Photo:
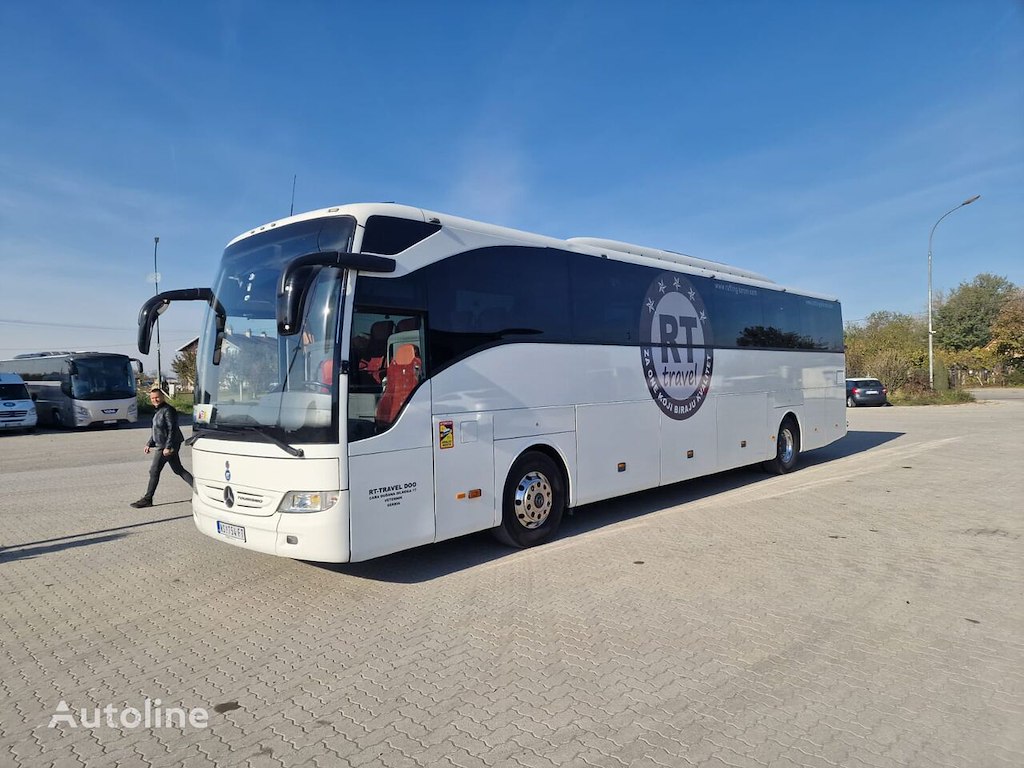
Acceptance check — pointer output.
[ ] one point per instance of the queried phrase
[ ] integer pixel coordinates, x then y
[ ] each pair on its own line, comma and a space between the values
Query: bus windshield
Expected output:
282, 386
102, 378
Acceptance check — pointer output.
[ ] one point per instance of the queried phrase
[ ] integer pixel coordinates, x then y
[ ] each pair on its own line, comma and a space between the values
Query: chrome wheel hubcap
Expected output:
533, 500
787, 446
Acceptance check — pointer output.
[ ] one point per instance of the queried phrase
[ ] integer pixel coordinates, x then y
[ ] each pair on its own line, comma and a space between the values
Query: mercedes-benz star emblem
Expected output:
229, 497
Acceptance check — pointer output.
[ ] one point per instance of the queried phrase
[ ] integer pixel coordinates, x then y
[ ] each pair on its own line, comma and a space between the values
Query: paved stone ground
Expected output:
864, 611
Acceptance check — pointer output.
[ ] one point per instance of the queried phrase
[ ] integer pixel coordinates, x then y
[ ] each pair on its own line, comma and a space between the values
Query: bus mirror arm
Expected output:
291, 289
157, 305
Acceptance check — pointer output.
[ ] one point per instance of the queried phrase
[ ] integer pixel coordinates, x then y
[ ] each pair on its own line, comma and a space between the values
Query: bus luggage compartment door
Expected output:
463, 474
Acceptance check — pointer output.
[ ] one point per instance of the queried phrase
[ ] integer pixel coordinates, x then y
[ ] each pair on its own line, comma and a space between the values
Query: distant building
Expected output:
185, 385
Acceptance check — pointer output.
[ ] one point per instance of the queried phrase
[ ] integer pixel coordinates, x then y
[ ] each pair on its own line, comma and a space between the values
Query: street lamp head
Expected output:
970, 200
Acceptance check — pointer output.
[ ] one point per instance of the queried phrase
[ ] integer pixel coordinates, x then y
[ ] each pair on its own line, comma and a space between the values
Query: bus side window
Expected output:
386, 364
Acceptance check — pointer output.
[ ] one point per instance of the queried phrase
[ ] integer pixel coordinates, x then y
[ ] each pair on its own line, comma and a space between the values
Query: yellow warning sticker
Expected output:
446, 434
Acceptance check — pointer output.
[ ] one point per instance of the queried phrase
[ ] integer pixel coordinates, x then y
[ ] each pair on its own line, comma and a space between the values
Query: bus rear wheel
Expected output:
787, 448
533, 501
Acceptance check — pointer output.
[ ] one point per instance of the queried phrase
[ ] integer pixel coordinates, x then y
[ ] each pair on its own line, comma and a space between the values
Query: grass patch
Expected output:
927, 397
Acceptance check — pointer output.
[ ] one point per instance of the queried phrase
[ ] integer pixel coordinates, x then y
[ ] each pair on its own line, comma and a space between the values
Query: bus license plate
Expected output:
231, 531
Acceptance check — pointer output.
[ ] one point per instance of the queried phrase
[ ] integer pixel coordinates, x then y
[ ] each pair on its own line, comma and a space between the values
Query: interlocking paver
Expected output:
855, 613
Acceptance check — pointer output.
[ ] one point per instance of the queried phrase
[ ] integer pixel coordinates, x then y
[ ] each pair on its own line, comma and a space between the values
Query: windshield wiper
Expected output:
289, 449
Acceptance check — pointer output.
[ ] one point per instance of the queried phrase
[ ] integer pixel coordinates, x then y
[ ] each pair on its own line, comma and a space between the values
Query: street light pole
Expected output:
156, 283
931, 331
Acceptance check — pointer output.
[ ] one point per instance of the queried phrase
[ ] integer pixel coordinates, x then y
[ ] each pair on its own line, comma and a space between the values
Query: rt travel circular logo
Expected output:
675, 345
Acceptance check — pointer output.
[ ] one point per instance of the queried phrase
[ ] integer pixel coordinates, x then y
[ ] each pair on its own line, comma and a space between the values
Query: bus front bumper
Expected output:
87, 413
317, 536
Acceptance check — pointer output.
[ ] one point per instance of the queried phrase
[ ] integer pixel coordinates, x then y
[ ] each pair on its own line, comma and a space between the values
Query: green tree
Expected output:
975, 367
1008, 331
889, 345
184, 366
964, 319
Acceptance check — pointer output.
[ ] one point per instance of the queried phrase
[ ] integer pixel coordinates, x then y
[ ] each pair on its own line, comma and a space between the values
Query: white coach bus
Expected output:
375, 377
79, 389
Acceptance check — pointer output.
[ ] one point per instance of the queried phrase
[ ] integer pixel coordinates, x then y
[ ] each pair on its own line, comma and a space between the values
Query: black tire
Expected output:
58, 420
533, 501
787, 448
851, 403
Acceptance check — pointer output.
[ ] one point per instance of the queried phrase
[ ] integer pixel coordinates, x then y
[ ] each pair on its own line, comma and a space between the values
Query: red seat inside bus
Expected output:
401, 378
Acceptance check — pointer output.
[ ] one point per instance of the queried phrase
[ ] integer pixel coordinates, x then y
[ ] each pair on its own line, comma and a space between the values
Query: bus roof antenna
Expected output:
291, 211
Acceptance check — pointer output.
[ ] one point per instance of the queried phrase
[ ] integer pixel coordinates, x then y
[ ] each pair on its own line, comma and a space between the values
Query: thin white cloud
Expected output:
490, 182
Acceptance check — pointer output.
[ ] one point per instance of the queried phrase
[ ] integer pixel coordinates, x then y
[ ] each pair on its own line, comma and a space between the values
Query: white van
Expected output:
17, 410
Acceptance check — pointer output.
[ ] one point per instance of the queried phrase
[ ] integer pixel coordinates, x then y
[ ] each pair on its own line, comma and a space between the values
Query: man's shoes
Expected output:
143, 502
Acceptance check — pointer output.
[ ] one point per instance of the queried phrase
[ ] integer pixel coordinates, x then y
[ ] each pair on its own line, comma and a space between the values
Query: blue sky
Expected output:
815, 142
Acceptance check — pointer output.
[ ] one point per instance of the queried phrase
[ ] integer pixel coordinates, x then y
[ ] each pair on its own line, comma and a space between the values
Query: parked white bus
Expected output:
78, 389
375, 377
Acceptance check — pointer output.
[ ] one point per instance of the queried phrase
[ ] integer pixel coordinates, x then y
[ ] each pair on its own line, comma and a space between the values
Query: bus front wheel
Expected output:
533, 501
787, 448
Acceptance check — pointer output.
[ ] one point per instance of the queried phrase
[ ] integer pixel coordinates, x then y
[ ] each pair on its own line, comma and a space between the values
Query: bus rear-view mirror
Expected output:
157, 305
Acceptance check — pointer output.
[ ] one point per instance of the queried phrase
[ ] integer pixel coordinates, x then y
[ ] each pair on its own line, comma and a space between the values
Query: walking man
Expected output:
167, 440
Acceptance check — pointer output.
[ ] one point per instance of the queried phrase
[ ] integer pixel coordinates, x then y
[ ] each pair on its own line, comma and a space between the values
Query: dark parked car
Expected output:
865, 392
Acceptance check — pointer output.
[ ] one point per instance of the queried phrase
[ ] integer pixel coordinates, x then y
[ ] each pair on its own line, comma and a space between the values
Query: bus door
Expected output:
391, 498
464, 494
391, 503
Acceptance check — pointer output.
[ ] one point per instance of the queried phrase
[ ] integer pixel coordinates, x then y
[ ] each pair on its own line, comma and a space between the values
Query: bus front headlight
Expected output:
308, 501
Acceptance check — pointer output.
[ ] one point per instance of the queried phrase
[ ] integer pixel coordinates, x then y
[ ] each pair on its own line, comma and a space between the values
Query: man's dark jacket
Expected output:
166, 433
